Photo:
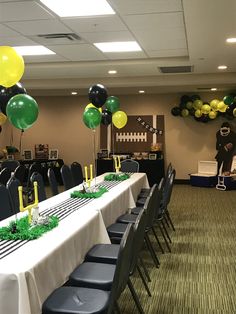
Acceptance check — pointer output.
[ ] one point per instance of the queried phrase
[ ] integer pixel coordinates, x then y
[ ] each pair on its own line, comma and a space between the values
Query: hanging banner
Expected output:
148, 127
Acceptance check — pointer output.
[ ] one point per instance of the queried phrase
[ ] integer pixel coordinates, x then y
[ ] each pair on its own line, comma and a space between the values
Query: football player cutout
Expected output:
225, 144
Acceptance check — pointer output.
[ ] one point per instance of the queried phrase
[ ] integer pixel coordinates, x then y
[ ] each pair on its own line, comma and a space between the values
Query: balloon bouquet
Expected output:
20, 108
94, 114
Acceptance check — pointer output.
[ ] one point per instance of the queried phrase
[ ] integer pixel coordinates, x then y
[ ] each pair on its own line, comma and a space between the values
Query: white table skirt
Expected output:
29, 274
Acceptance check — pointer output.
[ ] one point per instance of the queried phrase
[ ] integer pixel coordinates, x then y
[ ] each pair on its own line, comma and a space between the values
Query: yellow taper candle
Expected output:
86, 173
91, 172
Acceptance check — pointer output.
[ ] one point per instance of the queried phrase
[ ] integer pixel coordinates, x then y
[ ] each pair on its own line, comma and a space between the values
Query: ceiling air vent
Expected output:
69, 36
177, 69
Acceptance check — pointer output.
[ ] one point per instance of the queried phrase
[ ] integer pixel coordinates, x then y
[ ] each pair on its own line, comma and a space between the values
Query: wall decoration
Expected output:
138, 135
203, 111
27, 154
53, 154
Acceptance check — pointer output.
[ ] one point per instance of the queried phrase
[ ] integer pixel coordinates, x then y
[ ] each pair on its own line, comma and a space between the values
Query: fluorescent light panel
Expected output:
231, 40
213, 89
112, 72
222, 67
119, 46
68, 8
141, 91
33, 50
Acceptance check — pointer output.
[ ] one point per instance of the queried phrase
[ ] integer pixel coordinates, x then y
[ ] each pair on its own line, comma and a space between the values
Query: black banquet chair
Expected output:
41, 188
52, 181
12, 186
19, 173
81, 300
129, 165
5, 205
77, 173
67, 177
10, 164
5, 175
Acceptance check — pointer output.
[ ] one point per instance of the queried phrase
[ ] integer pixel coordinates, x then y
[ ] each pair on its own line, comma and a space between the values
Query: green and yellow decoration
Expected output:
203, 111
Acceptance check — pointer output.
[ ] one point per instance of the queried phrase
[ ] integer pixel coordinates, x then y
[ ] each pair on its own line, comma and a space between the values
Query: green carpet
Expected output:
199, 276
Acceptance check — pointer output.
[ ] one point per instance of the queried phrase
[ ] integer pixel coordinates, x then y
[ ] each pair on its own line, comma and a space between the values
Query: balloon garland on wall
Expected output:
203, 111
20, 108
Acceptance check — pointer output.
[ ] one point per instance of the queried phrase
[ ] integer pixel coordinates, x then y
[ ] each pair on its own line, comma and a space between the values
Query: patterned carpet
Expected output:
199, 276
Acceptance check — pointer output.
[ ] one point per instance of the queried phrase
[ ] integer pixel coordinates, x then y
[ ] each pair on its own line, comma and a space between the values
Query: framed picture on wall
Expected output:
27, 154
152, 156
53, 153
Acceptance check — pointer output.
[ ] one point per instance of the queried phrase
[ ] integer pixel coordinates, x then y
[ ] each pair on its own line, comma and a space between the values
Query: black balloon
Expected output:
184, 99
195, 97
204, 118
106, 117
7, 93
175, 111
0, 129
97, 95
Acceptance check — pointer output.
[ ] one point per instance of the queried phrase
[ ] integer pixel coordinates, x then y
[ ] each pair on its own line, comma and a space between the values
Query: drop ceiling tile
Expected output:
154, 21
125, 55
83, 52
7, 32
17, 41
167, 53
95, 24
39, 27
99, 37
161, 39
41, 59
18, 11
148, 6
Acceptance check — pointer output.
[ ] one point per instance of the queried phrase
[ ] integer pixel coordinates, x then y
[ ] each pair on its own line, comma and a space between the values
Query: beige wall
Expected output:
60, 125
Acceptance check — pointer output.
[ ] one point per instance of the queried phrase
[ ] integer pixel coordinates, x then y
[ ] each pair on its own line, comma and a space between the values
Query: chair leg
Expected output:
170, 220
144, 269
164, 237
135, 297
151, 250
158, 242
165, 230
166, 221
144, 281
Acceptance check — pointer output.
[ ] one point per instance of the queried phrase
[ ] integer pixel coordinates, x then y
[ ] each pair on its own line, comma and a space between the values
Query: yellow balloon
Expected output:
214, 104
3, 118
189, 105
184, 113
234, 112
222, 106
198, 113
212, 114
92, 106
197, 104
11, 66
119, 119
206, 109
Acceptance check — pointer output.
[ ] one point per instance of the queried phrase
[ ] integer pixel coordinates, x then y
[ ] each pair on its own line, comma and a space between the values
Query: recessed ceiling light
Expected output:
119, 46
33, 50
231, 40
213, 89
112, 72
141, 91
222, 67
67, 8
74, 93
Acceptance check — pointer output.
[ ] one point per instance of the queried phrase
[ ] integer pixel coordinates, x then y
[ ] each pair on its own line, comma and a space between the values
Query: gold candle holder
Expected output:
117, 163
89, 179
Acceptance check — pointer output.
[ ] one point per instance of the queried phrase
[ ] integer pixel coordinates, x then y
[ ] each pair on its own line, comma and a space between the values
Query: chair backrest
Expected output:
5, 206
77, 173
41, 188
12, 186
35, 167
129, 165
123, 265
139, 231
53, 181
167, 191
5, 175
67, 177
153, 205
19, 173
10, 164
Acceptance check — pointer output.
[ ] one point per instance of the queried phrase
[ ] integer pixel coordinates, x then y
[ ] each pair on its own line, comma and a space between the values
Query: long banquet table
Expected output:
31, 270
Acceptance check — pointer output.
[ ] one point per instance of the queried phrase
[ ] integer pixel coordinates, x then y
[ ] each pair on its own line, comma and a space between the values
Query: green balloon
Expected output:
112, 104
92, 118
22, 111
228, 100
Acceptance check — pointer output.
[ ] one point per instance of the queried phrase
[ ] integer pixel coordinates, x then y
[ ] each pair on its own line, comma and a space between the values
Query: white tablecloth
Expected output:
29, 274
